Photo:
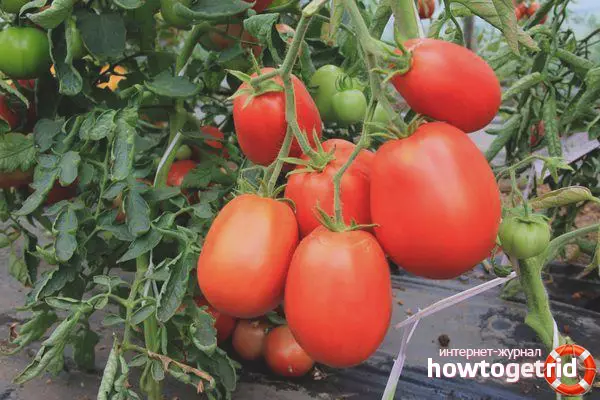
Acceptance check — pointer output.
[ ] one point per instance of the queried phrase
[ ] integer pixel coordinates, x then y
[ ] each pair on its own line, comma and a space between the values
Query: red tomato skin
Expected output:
532, 9
249, 339
436, 202
309, 189
426, 8
224, 324
260, 5
7, 114
521, 11
178, 171
15, 178
466, 94
58, 193
284, 355
261, 125
246, 254
338, 298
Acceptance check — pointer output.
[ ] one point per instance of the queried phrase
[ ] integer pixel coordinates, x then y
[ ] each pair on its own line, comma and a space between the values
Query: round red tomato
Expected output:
260, 5
307, 189
7, 113
58, 193
338, 297
16, 178
284, 355
436, 202
178, 171
426, 8
249, 339
224, 324
246, 254
449, 83
261, 125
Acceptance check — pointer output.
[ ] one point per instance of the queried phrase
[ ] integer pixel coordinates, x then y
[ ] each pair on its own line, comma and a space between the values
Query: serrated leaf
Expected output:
178, 87
123, 149
17, 151
551, 137
45, 131
103, 126
69, 164
203, 332
138, 213
84, 345
261, 27
142, 313
523, 84
63, 303
210, 9
69, 79
173, 290
34, 329
112, 319
110, 372
18, 269
141, 245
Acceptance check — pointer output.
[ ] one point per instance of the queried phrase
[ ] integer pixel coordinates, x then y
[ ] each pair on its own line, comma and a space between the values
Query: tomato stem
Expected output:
407, 24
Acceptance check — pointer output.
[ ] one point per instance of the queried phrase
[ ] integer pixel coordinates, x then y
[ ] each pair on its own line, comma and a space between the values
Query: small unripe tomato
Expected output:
183, 153
249, 338
524, 237
349, 106
284, 355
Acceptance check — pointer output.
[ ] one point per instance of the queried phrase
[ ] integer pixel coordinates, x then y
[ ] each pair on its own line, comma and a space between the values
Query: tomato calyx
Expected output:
317, 160
253, 90
330, 222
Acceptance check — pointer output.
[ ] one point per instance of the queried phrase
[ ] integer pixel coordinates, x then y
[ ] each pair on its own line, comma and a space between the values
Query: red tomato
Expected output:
178, 171
261, 125
249, 339
246, 254
260, 5
58, 193
338, 298
284, 355
223, 37
426, 8
15, 178
521, 11
538, 131
8, 114
436, 202
467, 93
224, 324
308, 189
533, 9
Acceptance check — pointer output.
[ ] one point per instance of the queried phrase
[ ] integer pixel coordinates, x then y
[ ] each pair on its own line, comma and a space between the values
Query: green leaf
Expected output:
173, 290
53, 16
112, 319
110, 372
32, 4
51, 282
138, 213
525, 83
178, 87
160, 194
17, 151
103, 34
69, 79
104, 126
34, 329
45, 131
42, 184
203, 332
18, 269
63, 303
506, 14
551, 137
141, 245
69, 163
84, 345
142, 313
211, 10
123, 149
508, 130
156, 368
562, 197
65, 226
261, 27
129, 4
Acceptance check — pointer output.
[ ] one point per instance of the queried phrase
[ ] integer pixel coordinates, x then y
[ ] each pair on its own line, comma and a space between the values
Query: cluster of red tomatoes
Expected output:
524, 11
431, 197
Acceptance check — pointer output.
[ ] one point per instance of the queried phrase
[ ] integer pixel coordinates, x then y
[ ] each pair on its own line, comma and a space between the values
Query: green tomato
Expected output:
323, 83
12, 6
183, 153
167, 9
349, 106
24, 53
381, 116
524, 237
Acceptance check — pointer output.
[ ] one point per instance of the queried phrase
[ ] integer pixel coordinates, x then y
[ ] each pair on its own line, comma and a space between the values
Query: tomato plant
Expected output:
466, 95
419, 228
12, 6
7, 114
315, 188
349, 106
224, 324
265, 234
524, 237
25, 52
284, 355
178, 171
260, 122
324, 85
331, 335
